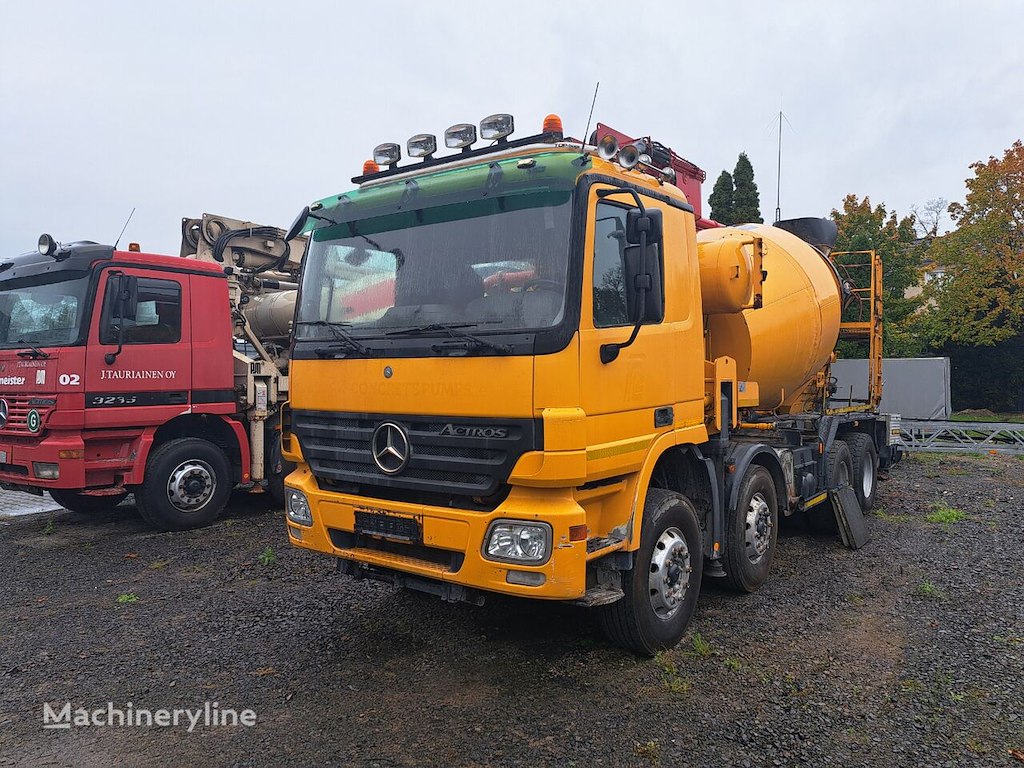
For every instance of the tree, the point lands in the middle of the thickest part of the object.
(721, 200)
(975, 311)
(862, 228)
(980, 299)
(746, 201)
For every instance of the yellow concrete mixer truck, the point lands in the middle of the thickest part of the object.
(568, 385)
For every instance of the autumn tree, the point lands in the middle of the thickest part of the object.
(721, 199)
(746, 200)
(975, 310)
(864, 227)
(980, 298)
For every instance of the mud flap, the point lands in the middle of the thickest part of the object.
(849, 517)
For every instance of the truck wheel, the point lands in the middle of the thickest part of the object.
(865, 468)
(662, 587)
(839, 472)
(750, 538)
(188, 482)
(78, 502)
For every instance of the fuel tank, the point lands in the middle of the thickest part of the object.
(786, 341)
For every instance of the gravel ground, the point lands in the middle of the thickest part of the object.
(909, 652)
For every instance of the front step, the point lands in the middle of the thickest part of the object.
(599, 595)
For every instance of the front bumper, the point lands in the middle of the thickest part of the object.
(19, 454)
(452, 539)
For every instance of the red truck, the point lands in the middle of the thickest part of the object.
(123, 371)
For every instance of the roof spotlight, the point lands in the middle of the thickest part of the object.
(460, 136)
(607, 147)
(497, 127)
(387, 154)
(422, 145)
(47, 245)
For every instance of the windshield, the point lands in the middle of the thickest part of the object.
(42, 313)
(498, 263)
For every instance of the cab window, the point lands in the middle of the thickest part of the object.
(157, 313)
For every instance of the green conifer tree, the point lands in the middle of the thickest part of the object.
(721, 200)
(746, 203)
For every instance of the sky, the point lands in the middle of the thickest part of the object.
(253, 109)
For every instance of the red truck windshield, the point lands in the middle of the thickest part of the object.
(41, 312)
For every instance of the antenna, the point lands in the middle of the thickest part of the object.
(124, 228)
(778, 176)
(583, 141)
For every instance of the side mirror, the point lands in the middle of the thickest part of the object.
(128, 297)
(297, 225)
(649, 220)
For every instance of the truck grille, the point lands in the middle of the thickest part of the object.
(17, 417)
(455, 458)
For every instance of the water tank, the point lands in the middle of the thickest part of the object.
(783, 344)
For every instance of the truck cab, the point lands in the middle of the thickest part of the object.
(115, 367)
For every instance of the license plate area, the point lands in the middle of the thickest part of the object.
(389, 526)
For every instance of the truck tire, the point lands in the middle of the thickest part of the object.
(661, 589)
(838, 472)
(865, 468)
(188, 482)
(751, 536)
(78, 502)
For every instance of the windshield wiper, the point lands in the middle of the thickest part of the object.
(464, 341)
(345, 340)
(33, 351)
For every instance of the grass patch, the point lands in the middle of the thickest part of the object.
(49, 528)
(943, 513)
(889, 517)
(128, 597)
(701, 646)
(267, 557)
(157, 565)
(649, 750)
(733, 663)
(928, 590)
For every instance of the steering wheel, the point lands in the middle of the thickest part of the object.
(540, 282)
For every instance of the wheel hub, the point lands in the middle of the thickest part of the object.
(868, 477)
(670, 569)
(191, 485)
(757, 528)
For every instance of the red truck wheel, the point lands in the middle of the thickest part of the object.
(187, 485)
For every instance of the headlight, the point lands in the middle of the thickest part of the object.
(497, 127)
(460, 136)
(515, 542)
(422, 145)
(45, 470)
(387, 154)
(297, 507)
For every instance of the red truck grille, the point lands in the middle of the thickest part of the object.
(18, 407)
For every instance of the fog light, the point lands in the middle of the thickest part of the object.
(47, 245)
(525, 578)
(387, 154)
(46, 471)
(460, 136)
(515, 542)
(297, 507)
(497, 127)
(422, 145)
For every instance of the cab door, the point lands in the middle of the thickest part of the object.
(636, 396)
(139, 365)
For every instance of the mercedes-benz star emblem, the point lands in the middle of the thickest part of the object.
(390, 448)
(5, 411)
